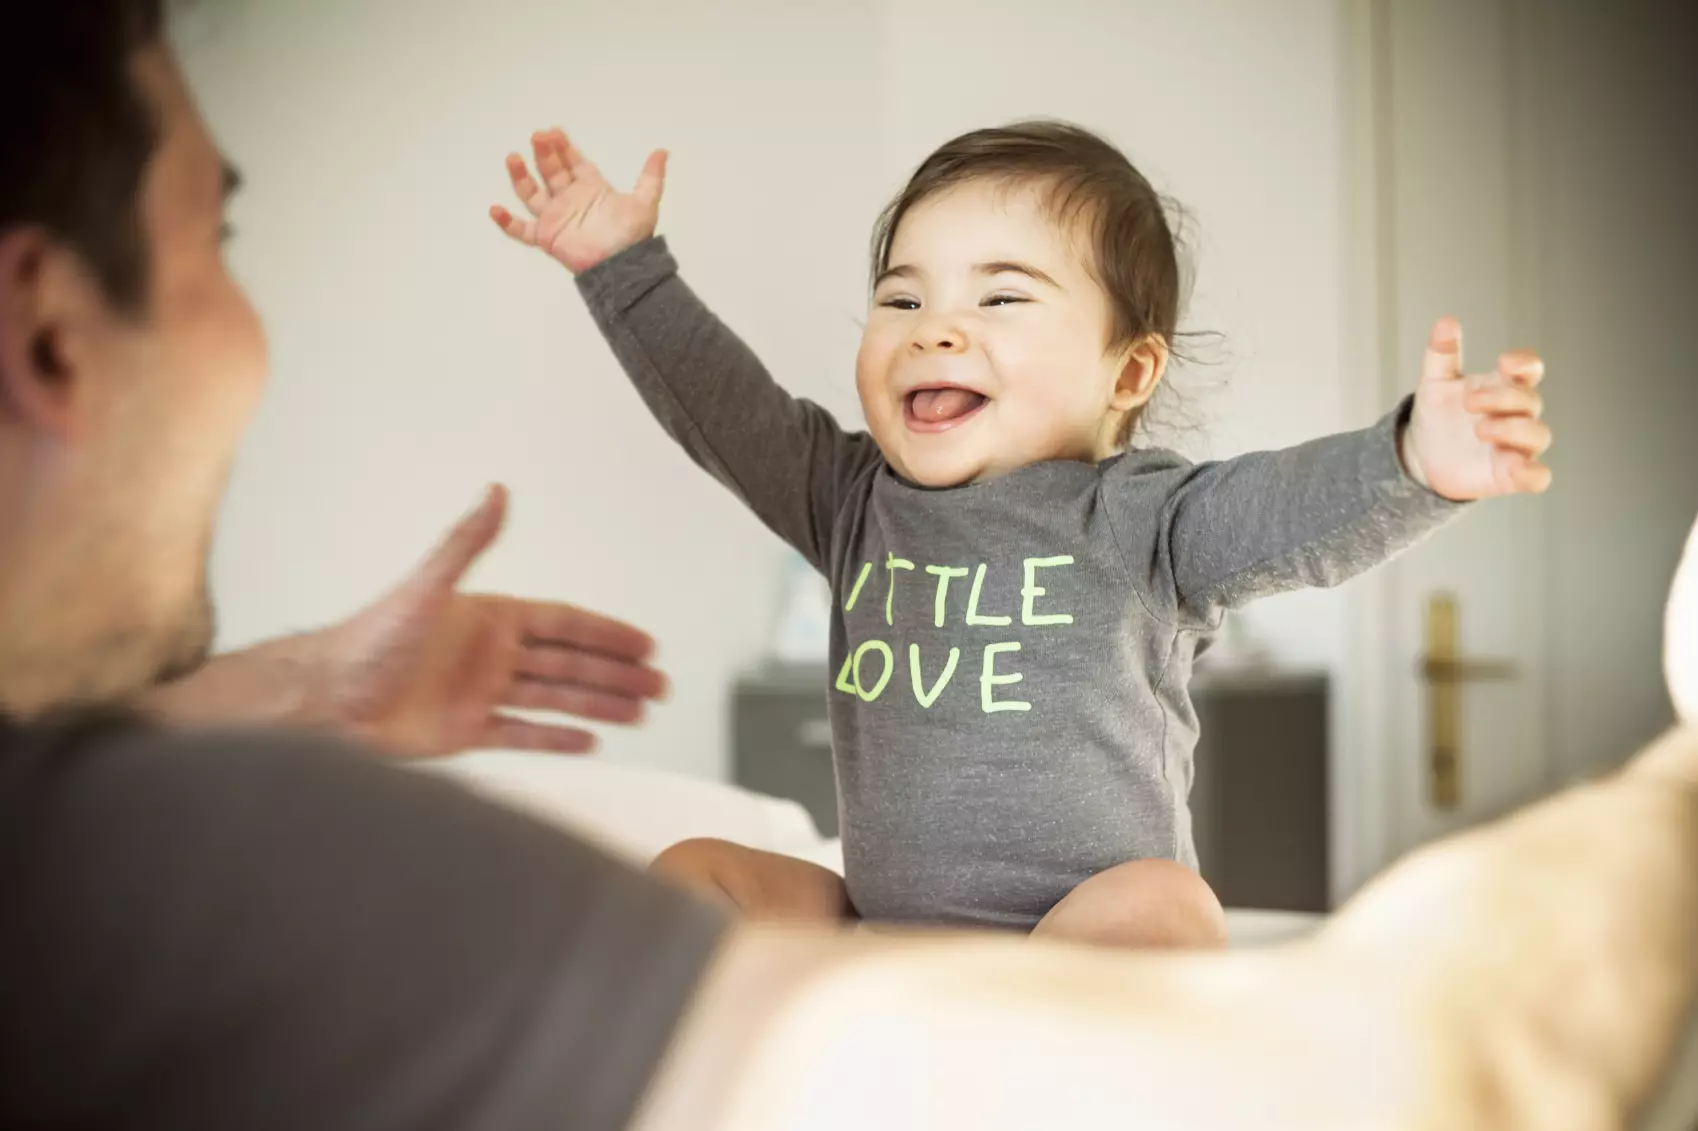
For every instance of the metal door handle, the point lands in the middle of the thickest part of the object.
(1443, 671)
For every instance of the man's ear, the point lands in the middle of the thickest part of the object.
(1140, 373)
(1680, 643)
(40, 283)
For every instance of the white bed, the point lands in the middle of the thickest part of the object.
(635, 813)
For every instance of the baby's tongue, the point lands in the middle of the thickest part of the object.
(945, 404)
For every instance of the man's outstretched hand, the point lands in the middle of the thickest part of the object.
(427, 670)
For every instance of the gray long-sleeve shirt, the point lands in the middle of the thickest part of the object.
(1009, 708)
(269, 931)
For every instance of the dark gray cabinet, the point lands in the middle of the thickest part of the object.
(1259, 800)
(1260, 803)
(781, 740)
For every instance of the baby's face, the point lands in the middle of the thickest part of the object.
(985, 348)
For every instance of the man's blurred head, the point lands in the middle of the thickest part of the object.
(130, 361)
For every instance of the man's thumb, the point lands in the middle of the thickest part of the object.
(464, 544)
(1443, 358)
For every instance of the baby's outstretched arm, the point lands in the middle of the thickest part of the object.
(1322, 512)
(786, 458)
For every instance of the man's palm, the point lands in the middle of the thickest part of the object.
(426, 673)
(427, 670)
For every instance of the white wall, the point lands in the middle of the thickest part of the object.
(1620, 263)
(418, 355)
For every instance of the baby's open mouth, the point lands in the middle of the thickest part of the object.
(938, 408)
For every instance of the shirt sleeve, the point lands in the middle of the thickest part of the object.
(785, 457)
(261, 931)
(1204, 538)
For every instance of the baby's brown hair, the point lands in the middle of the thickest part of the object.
(1084, 179)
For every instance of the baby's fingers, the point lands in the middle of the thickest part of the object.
(1521, 434)
(551, 149)
(530, 194)
(1521, 473)
(1500, 399)
(525, 231)
(1524, 367)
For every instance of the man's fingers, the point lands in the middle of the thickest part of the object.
(547, 622)
(504, 733)
(652, 181)
(463, 545)
(1516, 434)
(525, 231)
(574, 667)
(1442, 360)
(602, 706)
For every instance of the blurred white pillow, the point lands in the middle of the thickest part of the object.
(1680, 642)
(631, 811)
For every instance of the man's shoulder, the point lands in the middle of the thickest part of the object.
(112, 783)
(78, 743)
(238, 895)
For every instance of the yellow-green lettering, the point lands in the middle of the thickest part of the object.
(892, 563)
(883, 649)
(943, 574)
(973, 616)
(843, 683)
(927, 698)
(855, 593)
(988, 680)
(1032, 591)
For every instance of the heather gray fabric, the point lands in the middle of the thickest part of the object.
(268, 932)
(1010, 711)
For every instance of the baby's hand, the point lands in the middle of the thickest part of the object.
(580, 218)
(1472, 437)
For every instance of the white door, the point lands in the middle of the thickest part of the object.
(1517, 649)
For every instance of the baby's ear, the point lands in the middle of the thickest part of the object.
(1680, 646)
(1141, 371)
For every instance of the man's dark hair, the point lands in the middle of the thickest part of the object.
(76, 133)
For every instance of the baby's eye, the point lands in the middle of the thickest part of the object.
(900, 303)
(1003, 300)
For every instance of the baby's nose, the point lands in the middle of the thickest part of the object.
(936, 339)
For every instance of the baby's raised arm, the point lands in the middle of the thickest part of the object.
(785, 457)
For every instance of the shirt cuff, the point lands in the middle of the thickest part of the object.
(619, 282)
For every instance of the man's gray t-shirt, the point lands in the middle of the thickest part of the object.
(1010, 659)
(262, 931)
